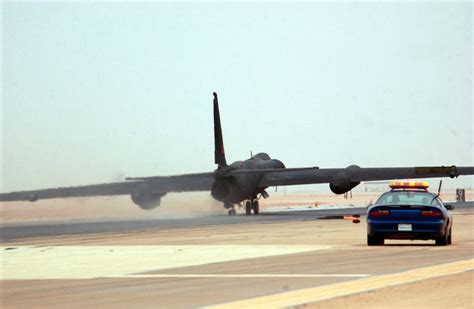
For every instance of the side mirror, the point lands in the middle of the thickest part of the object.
(449, 207)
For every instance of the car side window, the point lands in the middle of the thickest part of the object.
(439, 201)
(436, 202)
(382, 200)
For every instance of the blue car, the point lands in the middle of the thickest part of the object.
(409, 211)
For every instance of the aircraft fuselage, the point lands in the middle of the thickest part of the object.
(235, 188)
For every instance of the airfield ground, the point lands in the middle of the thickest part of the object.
(55, 256)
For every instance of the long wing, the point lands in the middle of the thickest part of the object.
(300, 176)
(269, 177)
(165, 184)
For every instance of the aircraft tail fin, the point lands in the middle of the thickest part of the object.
(219, 154)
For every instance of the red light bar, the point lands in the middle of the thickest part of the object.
(409, 185)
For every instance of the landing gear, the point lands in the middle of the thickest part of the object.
(231, 209)
(252, 205)
(248, 208)
(256, 207)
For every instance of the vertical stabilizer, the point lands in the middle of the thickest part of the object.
(219, 154)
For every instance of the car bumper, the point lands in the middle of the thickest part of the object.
(420, 230)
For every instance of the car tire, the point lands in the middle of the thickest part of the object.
(443, 240)
(375, 241)
(450, 239)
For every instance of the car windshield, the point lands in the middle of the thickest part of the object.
(408, 198)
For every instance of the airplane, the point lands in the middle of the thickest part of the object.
(242, 181)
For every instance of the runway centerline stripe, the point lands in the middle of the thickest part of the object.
(242, 276)
(311, 295)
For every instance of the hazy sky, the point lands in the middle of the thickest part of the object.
(92, 92)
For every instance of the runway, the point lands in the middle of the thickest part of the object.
(273, 260)
(14, 231)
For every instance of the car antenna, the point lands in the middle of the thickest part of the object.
(439, 188)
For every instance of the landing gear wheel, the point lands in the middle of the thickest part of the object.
(375, 241)
(231, 212)
(248, 208)
(256, 207)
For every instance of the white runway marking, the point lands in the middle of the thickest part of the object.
(86, 262)
(243, 276)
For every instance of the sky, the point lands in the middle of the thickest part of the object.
(93, 92)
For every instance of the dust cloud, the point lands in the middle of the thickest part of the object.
(186, 205)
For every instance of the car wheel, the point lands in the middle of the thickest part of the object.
(374, 241)
(443, 240)
(450, 240)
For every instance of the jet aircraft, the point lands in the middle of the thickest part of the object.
(242, 181)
